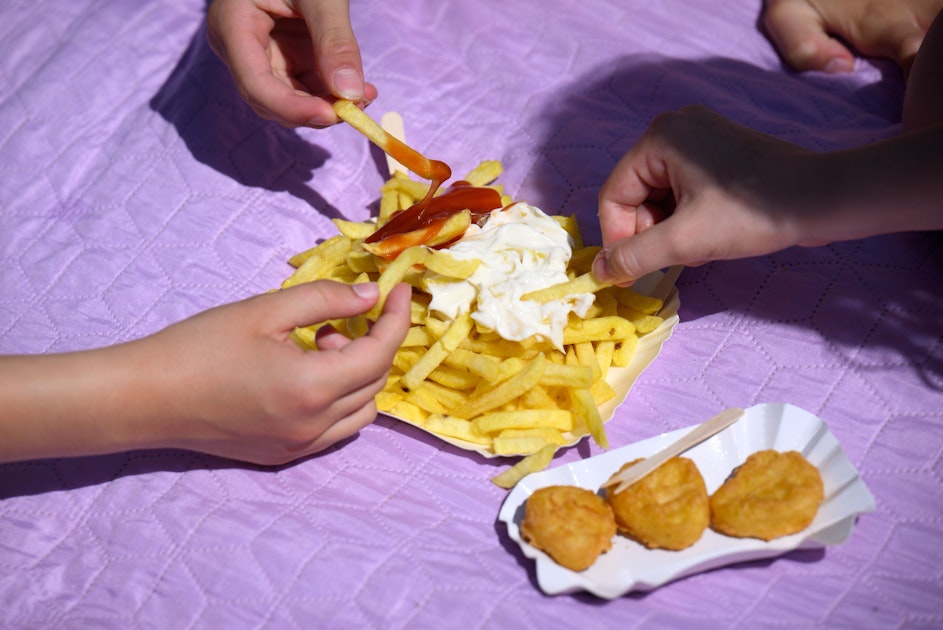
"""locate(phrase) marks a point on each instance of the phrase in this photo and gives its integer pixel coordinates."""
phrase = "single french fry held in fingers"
(586, 283)
(415, 161)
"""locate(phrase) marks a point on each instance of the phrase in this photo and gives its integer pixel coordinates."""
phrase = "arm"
(290, 59)
(228, 382)
(698, 187)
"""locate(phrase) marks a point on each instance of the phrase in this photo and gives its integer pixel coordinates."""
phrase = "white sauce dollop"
(521, 249)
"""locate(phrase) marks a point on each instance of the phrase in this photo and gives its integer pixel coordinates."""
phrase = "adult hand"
(812, 34)
(290, 58)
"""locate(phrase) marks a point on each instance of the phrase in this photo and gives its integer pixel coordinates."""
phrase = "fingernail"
(839, 64)
(366, 289)
(348, 84)
(319, 121)
(601, 267)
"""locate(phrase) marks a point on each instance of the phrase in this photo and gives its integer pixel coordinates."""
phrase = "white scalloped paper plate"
(621, 379)
(629, 566)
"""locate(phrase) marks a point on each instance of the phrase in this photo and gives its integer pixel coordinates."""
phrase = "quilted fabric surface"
(137, 189)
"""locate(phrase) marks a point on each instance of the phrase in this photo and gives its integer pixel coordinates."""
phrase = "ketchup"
(421, 222)
(432, 212)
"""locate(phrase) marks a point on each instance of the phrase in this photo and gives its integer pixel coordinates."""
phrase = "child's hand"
(815, 34)
(698, 187)
(235, 385)
(290, 60)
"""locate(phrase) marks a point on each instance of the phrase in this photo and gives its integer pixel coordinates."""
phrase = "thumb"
(801, 38)
(628, 259)
(335, 48)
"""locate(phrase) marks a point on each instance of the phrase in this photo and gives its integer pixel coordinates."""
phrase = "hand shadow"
(201, 101)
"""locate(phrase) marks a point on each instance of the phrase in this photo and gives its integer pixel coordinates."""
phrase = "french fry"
(398, 150)
(585, 408)
(567, 376)
(582, 259)
(506, 391)
(644, 323)
(319, 260)
(624, 349)
(638, 302)
(454, 427)
(484, 366)
(610, 328)
(354, 229)
(532, 463)
(560, 419)
(453, 378)
(417, 336)
(411, 190)
(394, 274)
(437, 352)
(437, 232)
(515, 445)
(443, 263)
(586, 283)
(485, 173)
(547, 435)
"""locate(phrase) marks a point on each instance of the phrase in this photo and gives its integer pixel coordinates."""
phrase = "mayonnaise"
(521, 249)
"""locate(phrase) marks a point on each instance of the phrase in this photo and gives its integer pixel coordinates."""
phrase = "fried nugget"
(666, 509)
(771, 495)
(572, 525)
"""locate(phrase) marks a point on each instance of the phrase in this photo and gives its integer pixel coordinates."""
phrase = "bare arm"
(698, 187)
(825, 35)
(228, 381)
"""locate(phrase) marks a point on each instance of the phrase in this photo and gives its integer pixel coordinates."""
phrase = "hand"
(228, 381)
(698, 187)
(809, 33)
(237, 386)
(290, 59)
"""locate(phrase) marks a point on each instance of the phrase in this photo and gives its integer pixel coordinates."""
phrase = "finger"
(335, 47)
(353, 410)
(801, 37)
(365, 360)
(619, 198)
(898, 40)
(239, 34)
(388, 332)
(329, 338)
(315, 302)
(345, 427)
(629, 259)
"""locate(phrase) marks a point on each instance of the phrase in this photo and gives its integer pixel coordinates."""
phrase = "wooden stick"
(392, 123)
(667, 282)
(694, 437)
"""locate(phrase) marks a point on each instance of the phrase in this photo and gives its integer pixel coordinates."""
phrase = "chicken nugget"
(570, 524)
(666, 509)
(770, 495)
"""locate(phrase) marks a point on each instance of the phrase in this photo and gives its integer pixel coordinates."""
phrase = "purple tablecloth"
(138, 189)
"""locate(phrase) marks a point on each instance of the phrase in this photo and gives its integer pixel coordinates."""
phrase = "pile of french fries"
(457, 380)
(469, 385)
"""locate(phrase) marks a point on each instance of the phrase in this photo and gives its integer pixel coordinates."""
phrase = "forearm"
(72, 404)
(890, 186)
